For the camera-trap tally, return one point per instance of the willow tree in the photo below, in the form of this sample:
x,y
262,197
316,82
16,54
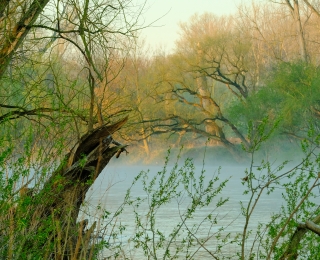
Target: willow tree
x,y
209,68
219,61
53,57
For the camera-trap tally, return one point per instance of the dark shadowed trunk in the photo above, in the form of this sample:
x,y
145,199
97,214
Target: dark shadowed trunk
x,y
54,210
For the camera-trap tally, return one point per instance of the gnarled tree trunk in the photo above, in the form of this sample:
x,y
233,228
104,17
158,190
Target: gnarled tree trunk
x,y
52,222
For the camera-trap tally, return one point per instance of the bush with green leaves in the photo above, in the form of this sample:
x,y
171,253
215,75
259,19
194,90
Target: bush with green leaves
x,y
291,95
182,190
284,236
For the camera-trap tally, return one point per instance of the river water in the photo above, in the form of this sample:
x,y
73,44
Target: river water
x,y
109,191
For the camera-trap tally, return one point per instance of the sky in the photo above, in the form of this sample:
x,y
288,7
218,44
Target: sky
x,y
164,32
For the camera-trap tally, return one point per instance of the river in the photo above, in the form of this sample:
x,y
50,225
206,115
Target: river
x,y
110,188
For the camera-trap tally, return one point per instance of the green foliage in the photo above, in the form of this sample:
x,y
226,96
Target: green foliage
x,y
32,147
290,95
297,84
191,192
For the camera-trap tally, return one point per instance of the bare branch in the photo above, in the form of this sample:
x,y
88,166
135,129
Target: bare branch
x,y
312,7
22,112
290,5
17,34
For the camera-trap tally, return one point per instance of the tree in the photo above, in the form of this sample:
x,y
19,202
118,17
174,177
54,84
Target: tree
x,y
220,61
206,59
43,98
15,25
301,12
294,9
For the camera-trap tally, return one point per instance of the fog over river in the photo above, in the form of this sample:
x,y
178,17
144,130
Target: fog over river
x,y
110,188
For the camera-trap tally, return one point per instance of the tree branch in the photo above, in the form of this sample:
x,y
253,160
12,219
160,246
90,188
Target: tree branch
x,y
3,6
17,34
312,7
22,112
292,248
311,226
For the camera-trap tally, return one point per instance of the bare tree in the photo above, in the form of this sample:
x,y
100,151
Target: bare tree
x,y
295,11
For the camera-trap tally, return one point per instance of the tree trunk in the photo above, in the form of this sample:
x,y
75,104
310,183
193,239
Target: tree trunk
x,y
51,225
210,125
291,252
300,34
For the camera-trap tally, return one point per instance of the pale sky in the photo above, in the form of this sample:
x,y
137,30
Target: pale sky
x,y
165,31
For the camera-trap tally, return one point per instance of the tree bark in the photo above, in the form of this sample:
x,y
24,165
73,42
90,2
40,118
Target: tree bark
x,y
55,208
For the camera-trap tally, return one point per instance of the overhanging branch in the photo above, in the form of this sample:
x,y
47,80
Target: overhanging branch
x,y
42,112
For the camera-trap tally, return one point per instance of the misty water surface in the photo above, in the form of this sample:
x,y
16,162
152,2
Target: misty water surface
x,y
110,188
